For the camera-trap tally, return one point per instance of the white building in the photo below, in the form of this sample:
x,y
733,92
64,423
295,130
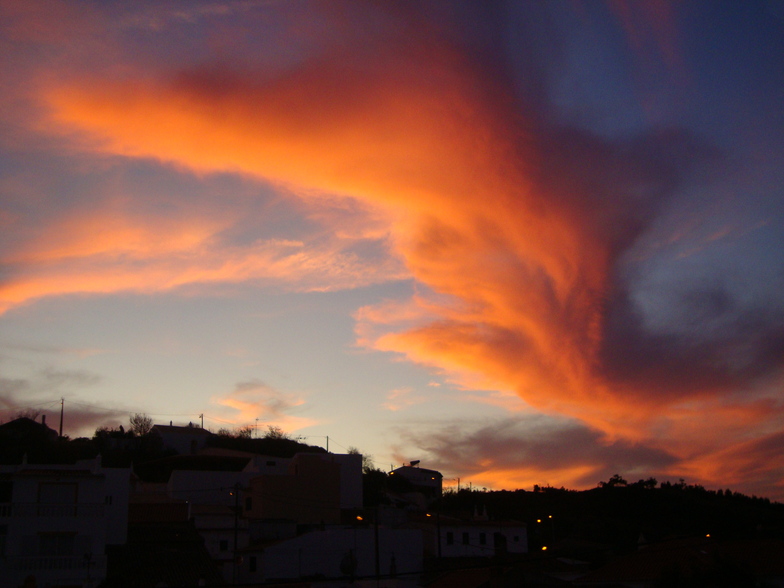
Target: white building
x,y
479,538
57,521
337,552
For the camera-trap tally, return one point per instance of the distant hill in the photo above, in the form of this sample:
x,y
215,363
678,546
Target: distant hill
x,y
620,518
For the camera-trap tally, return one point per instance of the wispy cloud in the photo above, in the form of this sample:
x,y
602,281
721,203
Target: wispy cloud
x,y
402,398
253,399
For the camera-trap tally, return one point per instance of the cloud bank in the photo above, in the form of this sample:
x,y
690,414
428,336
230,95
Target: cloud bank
x,y
531,235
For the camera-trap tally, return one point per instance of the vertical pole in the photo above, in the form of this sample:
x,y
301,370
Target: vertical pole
x,y
236,525
62,407
327,443
201,416
378,567
438,530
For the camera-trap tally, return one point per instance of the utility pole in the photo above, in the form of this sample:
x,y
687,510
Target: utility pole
x,y
201,416
378,566
236,525
62,407
327,443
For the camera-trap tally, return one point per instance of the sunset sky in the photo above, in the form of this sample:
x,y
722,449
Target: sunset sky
x,y
522,242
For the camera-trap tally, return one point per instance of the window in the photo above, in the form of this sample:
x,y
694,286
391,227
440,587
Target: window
x,y
450,538
6,490
482,539
271,463
465,539
252,563
56,543
248,503
54,493
516,538
223,545
107,500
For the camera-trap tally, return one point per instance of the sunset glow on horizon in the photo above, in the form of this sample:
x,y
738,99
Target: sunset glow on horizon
x,y
525,244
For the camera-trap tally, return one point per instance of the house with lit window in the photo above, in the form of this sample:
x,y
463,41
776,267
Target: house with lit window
x,y
56,521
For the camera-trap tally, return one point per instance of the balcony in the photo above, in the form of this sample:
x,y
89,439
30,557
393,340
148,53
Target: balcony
x,y
41,563
34,509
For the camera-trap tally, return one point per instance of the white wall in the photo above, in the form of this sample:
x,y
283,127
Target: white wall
x,y
321,553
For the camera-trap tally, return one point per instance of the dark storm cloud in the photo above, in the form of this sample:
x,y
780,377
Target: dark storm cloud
x,y
556,450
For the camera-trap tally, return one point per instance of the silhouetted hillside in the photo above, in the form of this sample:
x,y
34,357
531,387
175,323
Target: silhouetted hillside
x,y
618,518
274,447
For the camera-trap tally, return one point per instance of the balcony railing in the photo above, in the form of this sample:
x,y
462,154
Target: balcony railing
x,y
56,562
35,509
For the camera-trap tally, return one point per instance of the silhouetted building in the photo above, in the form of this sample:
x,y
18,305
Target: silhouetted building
x,y
426,482
183,440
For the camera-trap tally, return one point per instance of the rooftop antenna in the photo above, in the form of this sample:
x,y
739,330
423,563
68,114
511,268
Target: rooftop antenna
x,y
62,407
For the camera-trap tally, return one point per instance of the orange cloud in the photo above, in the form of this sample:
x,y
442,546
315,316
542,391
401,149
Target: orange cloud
x,y
402,398
436,144
515,227
113,249
254,400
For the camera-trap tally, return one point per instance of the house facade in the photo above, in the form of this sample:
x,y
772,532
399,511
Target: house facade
x,y
349,552
56,521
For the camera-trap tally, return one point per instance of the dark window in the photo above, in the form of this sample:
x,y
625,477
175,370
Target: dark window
x,y
482,539
252,563
516,539
223,545
56,543
450,538
107,500
6,490
248,503
465,538
271,463
54,493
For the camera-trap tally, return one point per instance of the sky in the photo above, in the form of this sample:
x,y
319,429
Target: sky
x,y
522,242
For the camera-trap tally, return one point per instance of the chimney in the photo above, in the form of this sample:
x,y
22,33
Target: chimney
x,y
43,420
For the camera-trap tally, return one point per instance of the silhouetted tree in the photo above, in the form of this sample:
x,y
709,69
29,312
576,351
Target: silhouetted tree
x,y
27,413
616,480
275,432
245,432
367,460
141,424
